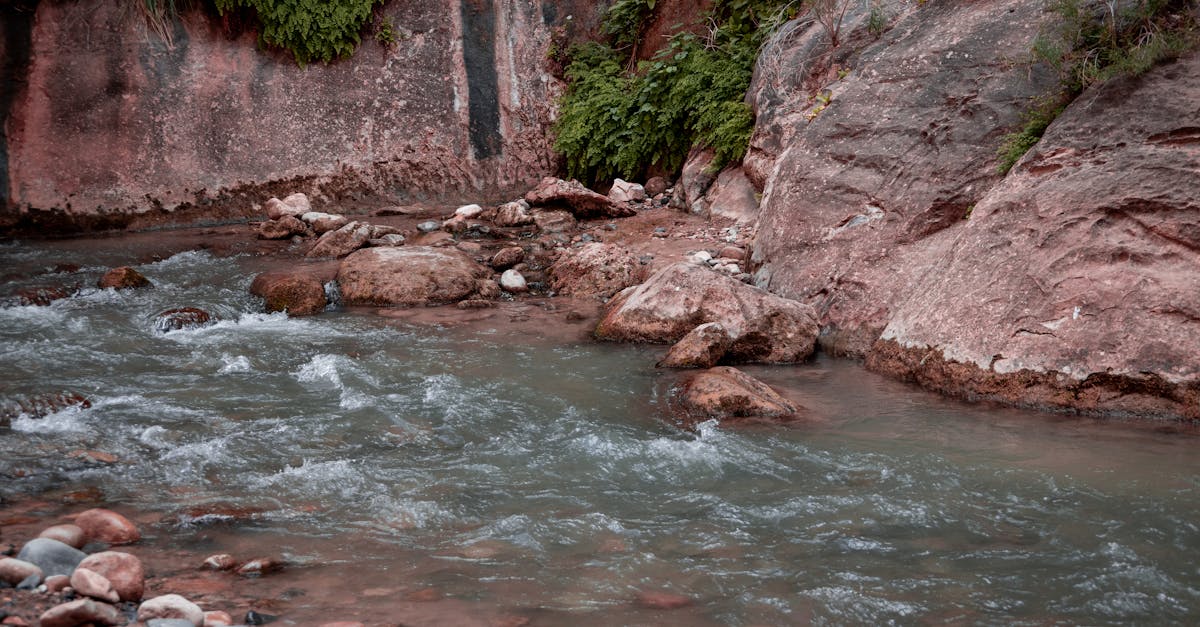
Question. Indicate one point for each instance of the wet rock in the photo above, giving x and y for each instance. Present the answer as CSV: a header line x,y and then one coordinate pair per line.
x,y
91,584
282,228
475,304
57,583
182,318
42,296
222,561
468,212
123,571
555,222
624,191
217,618
295,205
702,347
765,327
52,556
728,394
82,612
70,535
513,214
298,294
42,406
574,197
14,571
257,618
513,282
488,289
508,257
260,566
595,270
341,242
391,239
412,275
322,223
171,606
429,226
658,600
123,278
656,185
107,526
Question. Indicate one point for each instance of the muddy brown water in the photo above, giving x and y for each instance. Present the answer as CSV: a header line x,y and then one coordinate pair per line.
x,y
498,467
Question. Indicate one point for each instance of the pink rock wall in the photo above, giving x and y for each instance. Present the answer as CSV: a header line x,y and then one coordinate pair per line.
x,y
108,125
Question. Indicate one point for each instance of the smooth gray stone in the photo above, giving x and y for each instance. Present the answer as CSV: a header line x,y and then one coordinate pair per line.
x,y
52,556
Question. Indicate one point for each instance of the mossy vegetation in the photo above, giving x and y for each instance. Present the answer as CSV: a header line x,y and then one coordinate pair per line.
x,y
621,121
1093,41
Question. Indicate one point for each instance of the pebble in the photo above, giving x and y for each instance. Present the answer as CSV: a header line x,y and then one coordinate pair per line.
x,y
92,584
217,618
260,566
14,571
507,257
512,281
57,583
469,211
52,556
223,561
108,526
429,226
81,612
171,606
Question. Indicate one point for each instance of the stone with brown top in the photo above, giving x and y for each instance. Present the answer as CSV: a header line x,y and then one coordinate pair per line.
x,y
299,294
729,395
702,347
408,276
574,197
123,278
123,571
108,526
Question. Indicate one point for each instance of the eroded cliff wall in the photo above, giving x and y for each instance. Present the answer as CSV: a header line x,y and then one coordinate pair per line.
x,y
109,124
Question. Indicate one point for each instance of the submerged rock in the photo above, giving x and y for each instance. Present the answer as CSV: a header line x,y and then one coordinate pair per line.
x,y
43,295
123,278
298,294
729,395
574,197
411,275
702,347
765,328
595,270
182,318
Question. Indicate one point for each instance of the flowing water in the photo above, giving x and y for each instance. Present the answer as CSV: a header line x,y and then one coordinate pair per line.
x,y
517,474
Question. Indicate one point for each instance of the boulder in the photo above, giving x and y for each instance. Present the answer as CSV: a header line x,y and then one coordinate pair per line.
x,y
765,327
342,242
14,571
81,612
624,191
182,318
51,556
92,584
702,347
656,185
123,278
68,534
507,258
295,205
410,275
594,270
122,570
694,181
555,222
323,223
41,296
513,282
574,197
171,606
730,395
732,195
299,294
512,214
468,212
283,228
107,526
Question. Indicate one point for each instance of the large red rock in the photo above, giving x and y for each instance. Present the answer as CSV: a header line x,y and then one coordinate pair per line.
x,y
107,526
595,270
730,395
298,294
407,276
123,570
81,612
1075,282
765,328
702,347
574,197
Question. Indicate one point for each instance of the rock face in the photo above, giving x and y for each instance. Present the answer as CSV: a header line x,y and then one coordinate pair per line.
x,y
887,169
469,83
296,293
1075,284
574,197
595,270
123,278
765,327
728,394
411,275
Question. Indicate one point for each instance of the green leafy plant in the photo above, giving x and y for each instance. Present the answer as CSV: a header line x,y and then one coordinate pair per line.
x,y
624,20
312,30
1094,41
691,93
385,34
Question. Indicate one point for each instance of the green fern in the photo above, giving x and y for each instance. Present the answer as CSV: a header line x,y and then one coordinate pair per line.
x,y
312,30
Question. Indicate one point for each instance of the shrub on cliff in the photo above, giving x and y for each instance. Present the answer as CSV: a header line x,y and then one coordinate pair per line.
x,y
312,30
